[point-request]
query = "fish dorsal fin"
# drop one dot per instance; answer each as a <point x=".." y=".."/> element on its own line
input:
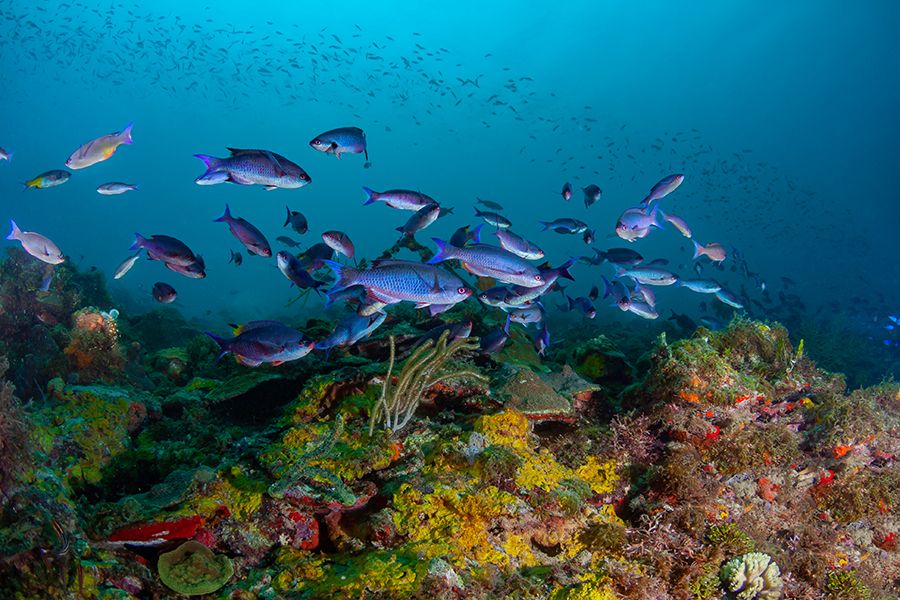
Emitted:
<point x="236" y="151"/>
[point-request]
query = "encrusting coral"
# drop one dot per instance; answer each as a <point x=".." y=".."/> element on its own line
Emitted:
<point x="193" y="569"/>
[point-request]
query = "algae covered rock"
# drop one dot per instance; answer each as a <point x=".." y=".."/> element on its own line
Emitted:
<point x="526" y="392"/>
<point x="193" y="569"/>
<point x="753" y="576"/>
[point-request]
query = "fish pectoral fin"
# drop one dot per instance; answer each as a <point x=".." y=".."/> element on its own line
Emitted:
<point x="269" y="188"/>
<point x="279" y="170"/>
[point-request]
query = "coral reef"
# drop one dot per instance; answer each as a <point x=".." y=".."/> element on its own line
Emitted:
<point x="722" y="465"/>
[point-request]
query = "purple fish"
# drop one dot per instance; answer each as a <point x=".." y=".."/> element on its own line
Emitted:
<point x="618" y="292"/>
<point x="264" y="342"/>
<point x="36" y="245"/>
<point x="495" y="340"/>
<point x="252" y="167"/>
<point x="420" y="219"/>
<point x="296" y="220"/>
<point x="350" y="140"/>
<point x="663" y="188"/>
<point x="635" y="223"/>
<point x="339" y="242"/>
<point x="195" y="270"/>
<point x="393" y="281"/>
<point x="542" y="339"/>
<point x="351" y="329"/>
<point x="246" y="233"/>
<point x="583" y="304"/>
<point x="399" y="199"/>
<point x="313" y="257"/>
<point x="484" y="260"/>
<point x="521" y="295"/>
<point x="165" y="248"/>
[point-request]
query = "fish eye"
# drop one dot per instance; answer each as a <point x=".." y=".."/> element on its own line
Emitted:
<point x="538" y="277"/>
<point x="462" y="290"/>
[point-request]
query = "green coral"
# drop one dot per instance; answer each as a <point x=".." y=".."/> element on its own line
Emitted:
<point x="193" y="569"/>
<point x="846" y="586"/>
<point x="729" y="538"/>
<point x="753" y="576"/>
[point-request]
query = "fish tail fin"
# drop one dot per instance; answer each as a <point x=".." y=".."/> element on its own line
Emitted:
<point x="570" y="302"/>
<point x="212" y="163"/>
<point x="607" y="287"/>
<point x="478" y="213"/>
<point x="15" y="233"/>
<point x="220" y="342"/>
<point x="371" y="195"/>
<point x="366" y="152"/>
<point x="139" y="242"/>
<point x="25" y="186"/>
<point x="344" y="275"/>
<point x="224" y="218"/>
<point x="445" y="251"/>
<point x="564" y="270"/>
<point x="288" y="218"/>
<point x="476" y="233"/>
<point x="125" y="136"/>
<point x="698" y="250"/>
<point x="545" y="225"/>
<point x="655" y="215"/>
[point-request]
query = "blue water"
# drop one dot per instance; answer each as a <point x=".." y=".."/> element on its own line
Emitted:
<point x="783" y="118"/>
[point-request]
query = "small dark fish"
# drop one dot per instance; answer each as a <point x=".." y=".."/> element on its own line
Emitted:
<point x="591" y="195"/>
<point x="491" y="205"/>
<point x="236" y="257"/>
<point x="164" y="293"/>
<point x="683" y="321"/>
<point x="292" y="268"/>
<point x="621" y="256"/>
<point x="542" y="339"/>
<point x="287" y="241"/>
<point x="567" y="191"/>
<point x="466" y="235"/>
<point x="588" y="236"/>
<point x="495" y="219"/>
<point x="420" y="219"/>
<point x="495" y="340"/>
<point x="367" y="165"/>
<point x="296" y="220"/>
<point x="566" y="225"/>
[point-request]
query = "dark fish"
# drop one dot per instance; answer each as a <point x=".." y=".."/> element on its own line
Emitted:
<point x="466" y="235"/>
<point x="591" y="195"/>
<point x="565" y="225"/>
<point x="287" y="241"/>
<point x="164" y="293"/>
<point x="236" y="257"/>
<point x="683" y="321"/>
<point x="495" y="219"/>
<point x="491" y="205"/>
<point x="567" y="191"/>
<point x="621" y="256"/>
<point x="296" y="220"/>
<point x="495" y="340"/>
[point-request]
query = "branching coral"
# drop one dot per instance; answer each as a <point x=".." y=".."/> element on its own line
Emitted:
<point x="753" y="576"/>
<point x="422" y="369"/>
